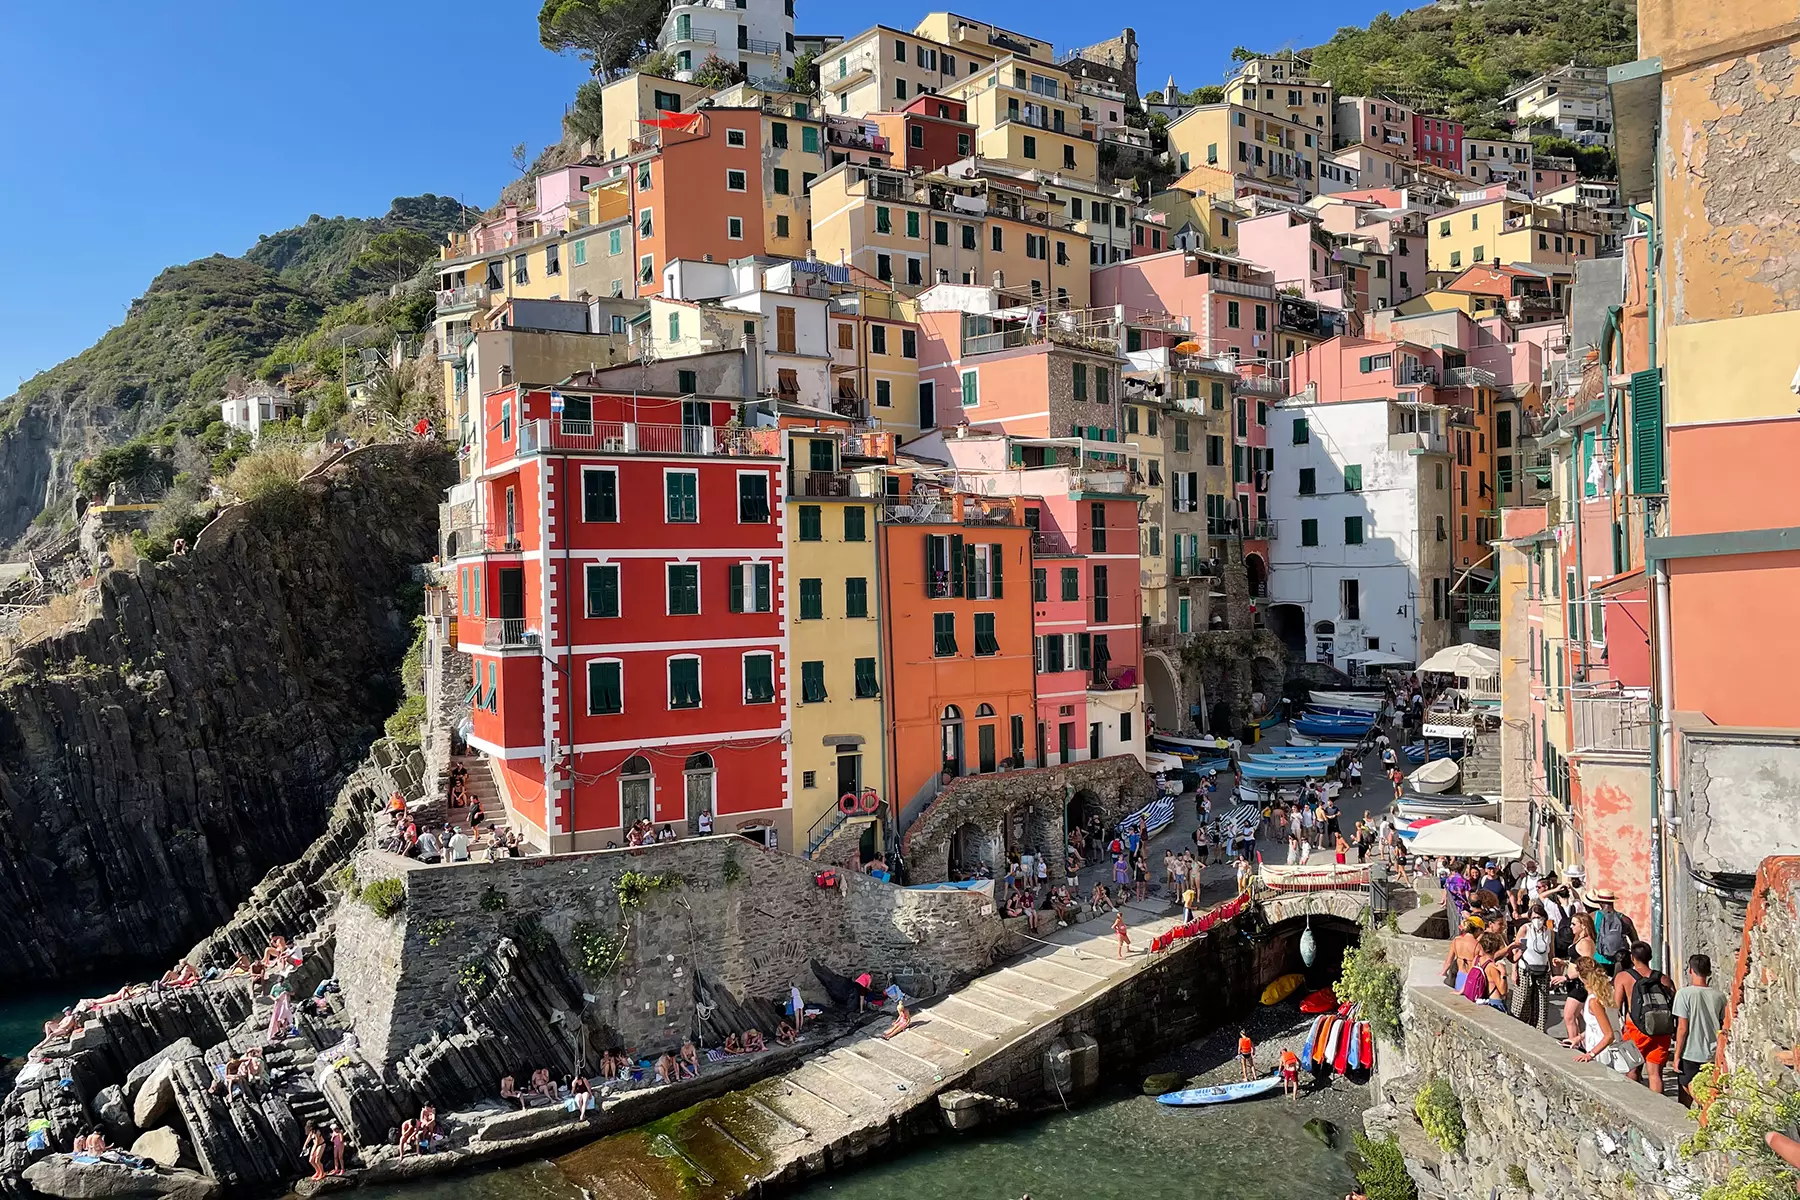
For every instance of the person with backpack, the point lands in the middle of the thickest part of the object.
(1613, 931)
(1647, 1008)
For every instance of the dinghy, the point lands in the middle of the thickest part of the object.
(1435, 777)
(1223, 1094)
(1367, 701)
(1412, 806)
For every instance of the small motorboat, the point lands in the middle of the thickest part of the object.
(1223, 1094)
(1413, 805)
(1437, 776)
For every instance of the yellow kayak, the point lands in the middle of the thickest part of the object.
(1282, 988)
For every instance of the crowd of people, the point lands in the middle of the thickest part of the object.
(1526, 939)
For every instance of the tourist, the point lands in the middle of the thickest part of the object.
(337, 1149)
(1295, 855)
(312, 1149)
(1245, 873)
(667, 1071)
(582, 1094)
(1534, 947)
(1342, 849)
(409, 1137)
(1168, 869)
(1613, 931)
(1646, 1001)
(689, 1065)
(1329, 810)
(459, 846)
(1121, 872)
(666, 834)
(1098, 899)
(1122, 933)
(543, 1085)
(429, 1133)
(1066, 906)
(1190, 903)
(1355, 772)
(733, 1046)
(1141, 874)
(753, 1042)
(784, 1034)
(1246, 1054)
(1464, 949)
(1456, 891)
(181, 975)
(428, 847)
(1307, 821)
(1699, 1009)
(903, 1021)
(510, 1091)
(1290, 1073)
(1598, 1040)
(703, 824)
(281, 1017)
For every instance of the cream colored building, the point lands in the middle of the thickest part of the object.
(1284, 88)
(1264, 155)
(882, 69)
(1027, 116)
(628, 101)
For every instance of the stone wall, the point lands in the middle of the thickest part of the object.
(1024, 809)
(1764, 990)
(1578, 1131)
(157, 761)
(744, 920)
(1739, 801)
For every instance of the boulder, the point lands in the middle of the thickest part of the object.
(134, 1078)
(1164, 1082)
(1324, 1130)
(115, 1115)
(161, 1145)
(155, 1097)
(61, 1177)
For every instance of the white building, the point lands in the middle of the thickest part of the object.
(1571, 101)
(757, 35)
(1361, 491)
(257, 405)
(786, 309)
(1498, 160)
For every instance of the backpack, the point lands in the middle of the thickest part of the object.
(1475, 982)
(1565, 934)
(1652, 1008)
(1609, 937)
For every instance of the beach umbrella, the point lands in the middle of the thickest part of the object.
(1467, 660)
(1466, 837)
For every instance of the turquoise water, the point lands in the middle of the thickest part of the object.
(22, 1017)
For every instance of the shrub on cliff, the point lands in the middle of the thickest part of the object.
(404, 725)
(1381, 1169)
(1734, 1110)
(385, 897)
(268, 478)
(1440, 1112)
(1371, 981)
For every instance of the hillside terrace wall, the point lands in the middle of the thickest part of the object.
(753, 928)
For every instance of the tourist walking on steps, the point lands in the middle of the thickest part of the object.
(1646, 1004)
(1122, 933)
(1613, 931)
(1699, 1009)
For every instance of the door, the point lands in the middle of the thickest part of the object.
(1065, 741)
(849, 775)
(953, 747)
(699, 781)
(512, 518)
(512, 594)
(1182, 617)
(696, 415)
(1094, 740)
(1041, 744)
(784, 331)
(927, 404)
(634, 800)
(984, 741)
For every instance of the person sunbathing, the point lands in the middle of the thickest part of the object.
(63, 1026)
(510, 1091)
(901, 1024)
(409, 1132)
(543, 1085)
(785, 1035)
(182, 975)
(666, 1068)
(732, 1045)
(690, 1061)
(582, 1094)
(241, 965)
(753, 1041)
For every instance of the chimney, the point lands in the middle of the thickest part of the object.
(999, 279)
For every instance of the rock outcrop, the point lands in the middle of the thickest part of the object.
(155, 763)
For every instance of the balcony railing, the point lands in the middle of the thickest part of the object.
(1481, 609)
(1470, 377)
(469, 295)
(1418, 442)
(630, 437)
(1269, 384)
(1103, 679)
(1222, 527)
(1610, 722)
(1051, 545)
(825, 483)
(847, 69)
(1416, 373)
(761, 47)
(705, 37)
(1267, 531)
(1169, 636)
(1196, 568)
(1237, 287)
(507, 633)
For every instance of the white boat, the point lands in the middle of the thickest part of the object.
(1167, 770)
(1206, 747)
(1413, 806)
(1250, 793)
(1366, 701)
(1437, 776)
(1306, 739)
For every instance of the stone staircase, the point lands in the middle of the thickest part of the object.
(843, 1095)
(1481, 767)
(841, 845)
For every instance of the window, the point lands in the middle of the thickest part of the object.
(1308, 481)
(1102, 385)
(1102, 607)
(1232, 317)
(1350, 599)
(687, 382)
(684, 682)
(971, 390)
(811, 525)
(599, 494)
(1215, 451)
(912, 224)
(1080, 375)
(1181, 436)
(855, 523)
(1097, 528)
(778, 133)
(884, 267)
(812, 682)
(1030, 150)
(1262, 317)
(734, 137)
(615, 242)
(1071, 583)
(1309, 531)
(736, 181)
(781, 181)
(552, 261)
(968, 237)
(602, 590)
(1353, 478)
(909, 343)
(812, 600)
(684, 589)
(878, 339)
(986, 644)
(1353, 531)
(781, 225)
(856, 597)
(899, 52)
(943, 634)
(606, 688)
(1068, 154)
(578, 252)
(750, 590)
(1302, 431)
(1456, 258)
(884, 394)
(866, 685)
(899, 89)
(940, 233)
(1040, 584)
(681, 497)
(734, 228)
(759, 679)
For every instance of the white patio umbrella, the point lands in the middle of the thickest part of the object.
(1377, 658)
(1467, 660)
(1464, 837)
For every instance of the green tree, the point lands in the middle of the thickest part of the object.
(396, 255)
(584, 116)
(803, 75)
(609, 34)
(1206, 93)
(1243, 54)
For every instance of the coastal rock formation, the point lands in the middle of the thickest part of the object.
(155, 763)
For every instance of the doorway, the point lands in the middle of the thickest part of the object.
(635, 790)
(1094, 740)
(952, 728)
(1065, 741)
(849, 775)
(512, 594)
(699, 779)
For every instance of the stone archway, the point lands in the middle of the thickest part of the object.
(1288, 623)
(1280, 954)
(1162, 683)
(969, 851)
(1256, 576)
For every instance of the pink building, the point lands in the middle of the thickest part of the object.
(1396, 231)
(1438, 141)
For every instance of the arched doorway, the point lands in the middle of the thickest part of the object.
(951, 725)
(701, 781)
(1325, 643)
(968, 852)
(1256, 575)
(636, 790)
(985, 743)
(1279, 952)
(1084, 812)
(1163, 689)
(1288, 623)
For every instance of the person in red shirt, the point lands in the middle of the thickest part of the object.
(1290, 1073)
(1246, 1055)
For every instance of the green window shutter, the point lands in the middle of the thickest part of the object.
(1307, 481)
(1102, 385)
(1646, 433)
(970, 389)
(1309, 531)
(1353, 531)
(956, 564)
(736, 576)
(866, 685)
(603, 682)
(759, 679)
(994, 575)
(1218, 395)
(855, 523)
(812, 682)
(812, 599)
(1084, 651)
(856, 597)
(1588, 486)
(1302, 431)
(811, 523)
(1080, 370)
(763, 575)
(1353, 478)
(809, 140)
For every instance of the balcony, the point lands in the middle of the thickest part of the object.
(629, 437)
(1266, 383)
(1470, 377)
(850, 139)
(829, 484)
(1236, 287)
(1611, 721)
(507, 633)
(1477, 612)
(1416, 373)
(1167, 636)
(1196, 568)
(847, 71)
(462, 299)
(1264, 531)
(761, 47)
(1116, 679)
(476, 539)
(703, 37)
(1220, 527)
(1427, 441)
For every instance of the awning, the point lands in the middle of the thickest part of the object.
(1377, 658)
(1618, 585)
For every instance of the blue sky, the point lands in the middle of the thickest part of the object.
(140, 135)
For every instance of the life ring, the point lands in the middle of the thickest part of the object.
(869, 802)
(847, 803)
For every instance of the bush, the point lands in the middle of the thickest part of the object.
(472, 978)
(492, 899)
(405, 725)
(634, 887)
(385, 897)
(1371, 981)
(1734, 1109)
(344, 880)
(596, 950)
(1381, 1172)
(1440, 1112)
(268, 478)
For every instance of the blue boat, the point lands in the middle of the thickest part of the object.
(1223, 1094)
(1268, 770)
(1324, 729)
(1326, 752)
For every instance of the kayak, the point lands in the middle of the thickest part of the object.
(1322, 1001)
(1368, 1047)
(1282, 988)
(1223, 1094)
(1341, 1062)
(1312, 1038)
(1320, 1047)
(1356, 1047)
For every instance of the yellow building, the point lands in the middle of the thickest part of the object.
(634, 98)
(1511, 230)
(978, 39)
(1284, 88)
(1027, 116)
(1265, 155)
(1190, 208)
(882, 69)
(834, 641)
(875, 359)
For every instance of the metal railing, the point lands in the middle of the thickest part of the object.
(823, 483)
(1236, 287)
(1050, 544)
(705, 37)
(837, 135)
(631, 437)
(1470, 610)
(1167, 636)
(1610, 722)
(1196, 568)
(469, 295)
(849, 68)
(1265, 530)
(761, 46)
(505, 633)
(1470, 377)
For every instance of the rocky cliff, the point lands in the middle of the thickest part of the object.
(157, 761)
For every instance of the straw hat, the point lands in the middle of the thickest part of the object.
(1595, 897)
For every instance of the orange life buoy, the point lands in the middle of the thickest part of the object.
(871, 802)
(847, 803)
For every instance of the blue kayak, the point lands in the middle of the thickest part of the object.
(1223, 1094)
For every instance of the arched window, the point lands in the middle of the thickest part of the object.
(1324, 627)
(986, 710)
(636, 789)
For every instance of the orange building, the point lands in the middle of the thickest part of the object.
(956, 624)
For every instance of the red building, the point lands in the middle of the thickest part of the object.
(623, 611)
(1438, 141)
(931, 132)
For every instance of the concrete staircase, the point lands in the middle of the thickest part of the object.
(1481, 767)
(848, 1091)
(840, 846)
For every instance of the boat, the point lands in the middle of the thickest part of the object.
(1437, 776)
(1259, 793)
(1167, 769)
(1341, 1061)
(1328, 731)
(1206, 747)
(1322, 1001)
(1223, 1094)
(1371, 702)
(1307, 877)
(1282, 988)
(1338, 742)
(1413, 805)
